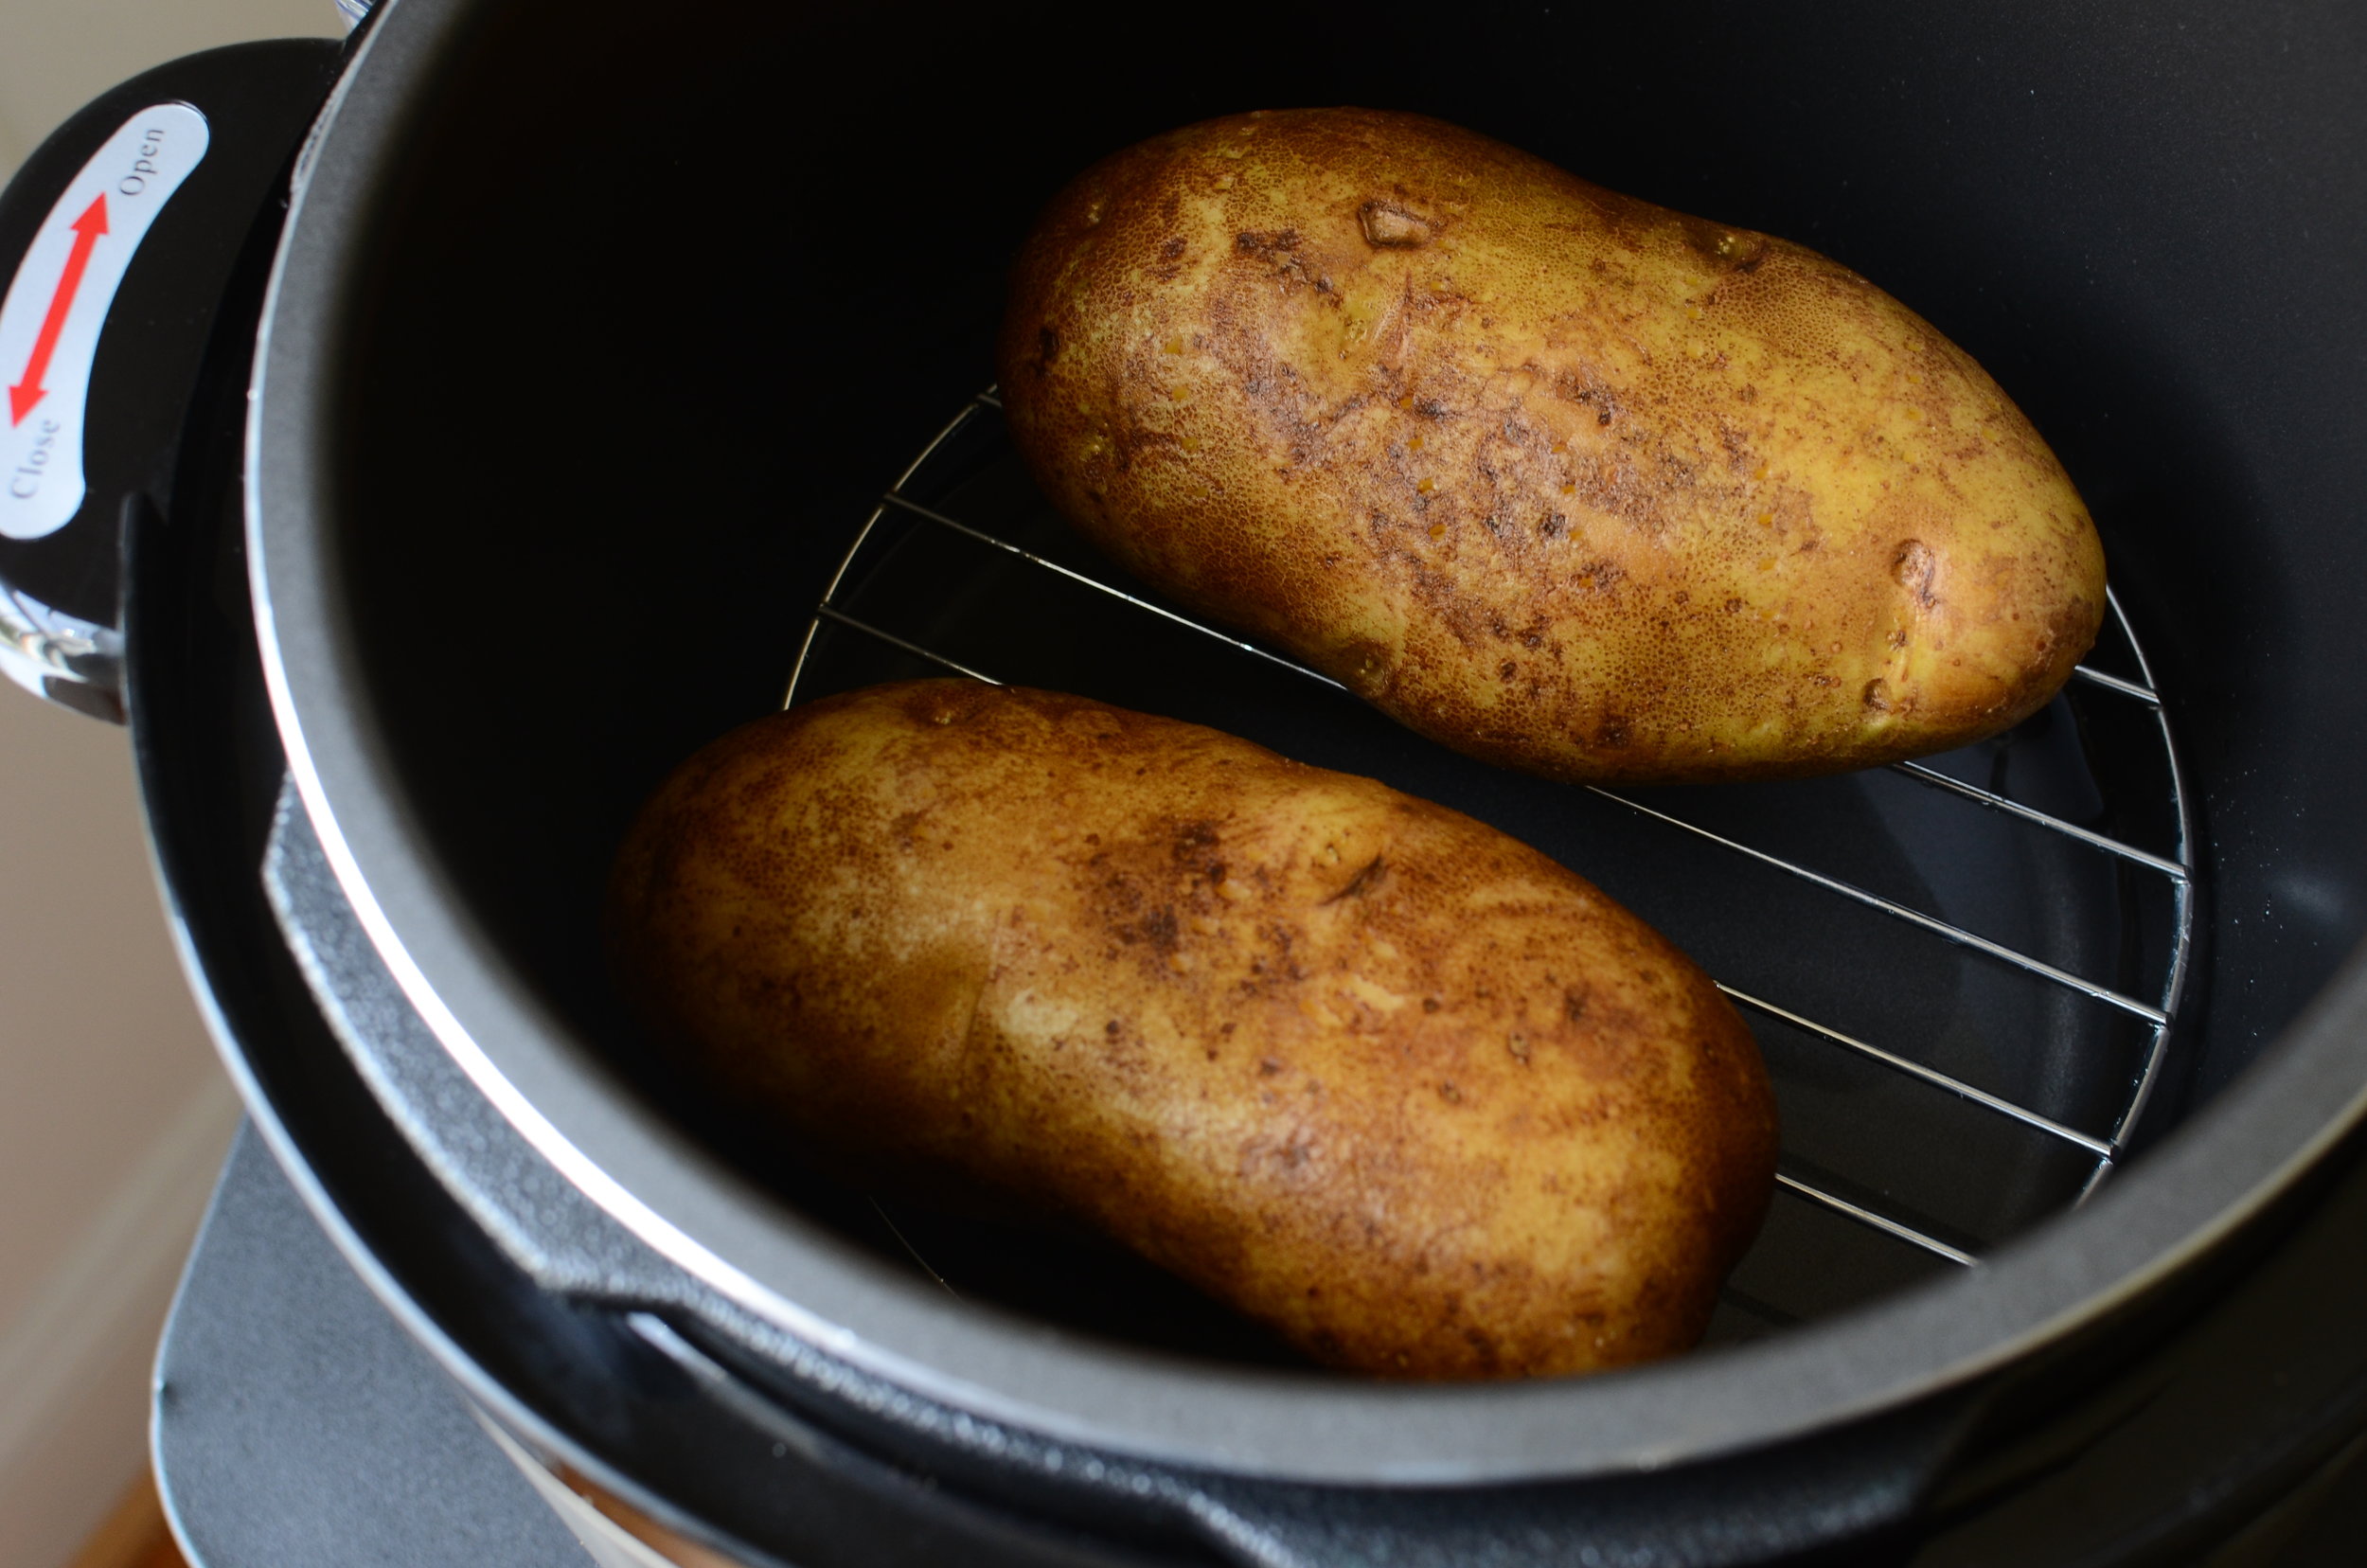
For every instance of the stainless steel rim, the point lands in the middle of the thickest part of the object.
(2193, 1192)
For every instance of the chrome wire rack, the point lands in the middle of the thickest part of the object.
(1985, 914)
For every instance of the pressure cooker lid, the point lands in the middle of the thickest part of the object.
(516, 553)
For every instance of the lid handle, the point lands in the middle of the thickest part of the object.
(118, 241)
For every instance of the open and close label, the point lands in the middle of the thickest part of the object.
(59, 300)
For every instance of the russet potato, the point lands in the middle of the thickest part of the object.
(1404, 1089)
(1564, 480)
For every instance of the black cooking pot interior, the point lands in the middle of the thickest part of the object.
(671, 293)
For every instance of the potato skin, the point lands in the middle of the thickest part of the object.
(1564, 480)
(1364, 1068)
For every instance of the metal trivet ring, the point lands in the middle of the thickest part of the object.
(963, 567)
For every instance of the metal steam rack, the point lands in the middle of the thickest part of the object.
(951, 572)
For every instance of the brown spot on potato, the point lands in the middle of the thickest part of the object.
(1388, 226)
(1914, 566)
(1364, 881)
(1368, 671)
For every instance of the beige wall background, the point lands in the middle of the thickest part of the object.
(55, 55)
(113, 1110)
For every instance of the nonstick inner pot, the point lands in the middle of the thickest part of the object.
(662, 305)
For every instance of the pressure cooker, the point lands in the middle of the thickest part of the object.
(426, 443)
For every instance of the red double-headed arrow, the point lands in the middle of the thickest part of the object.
(28, 390)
